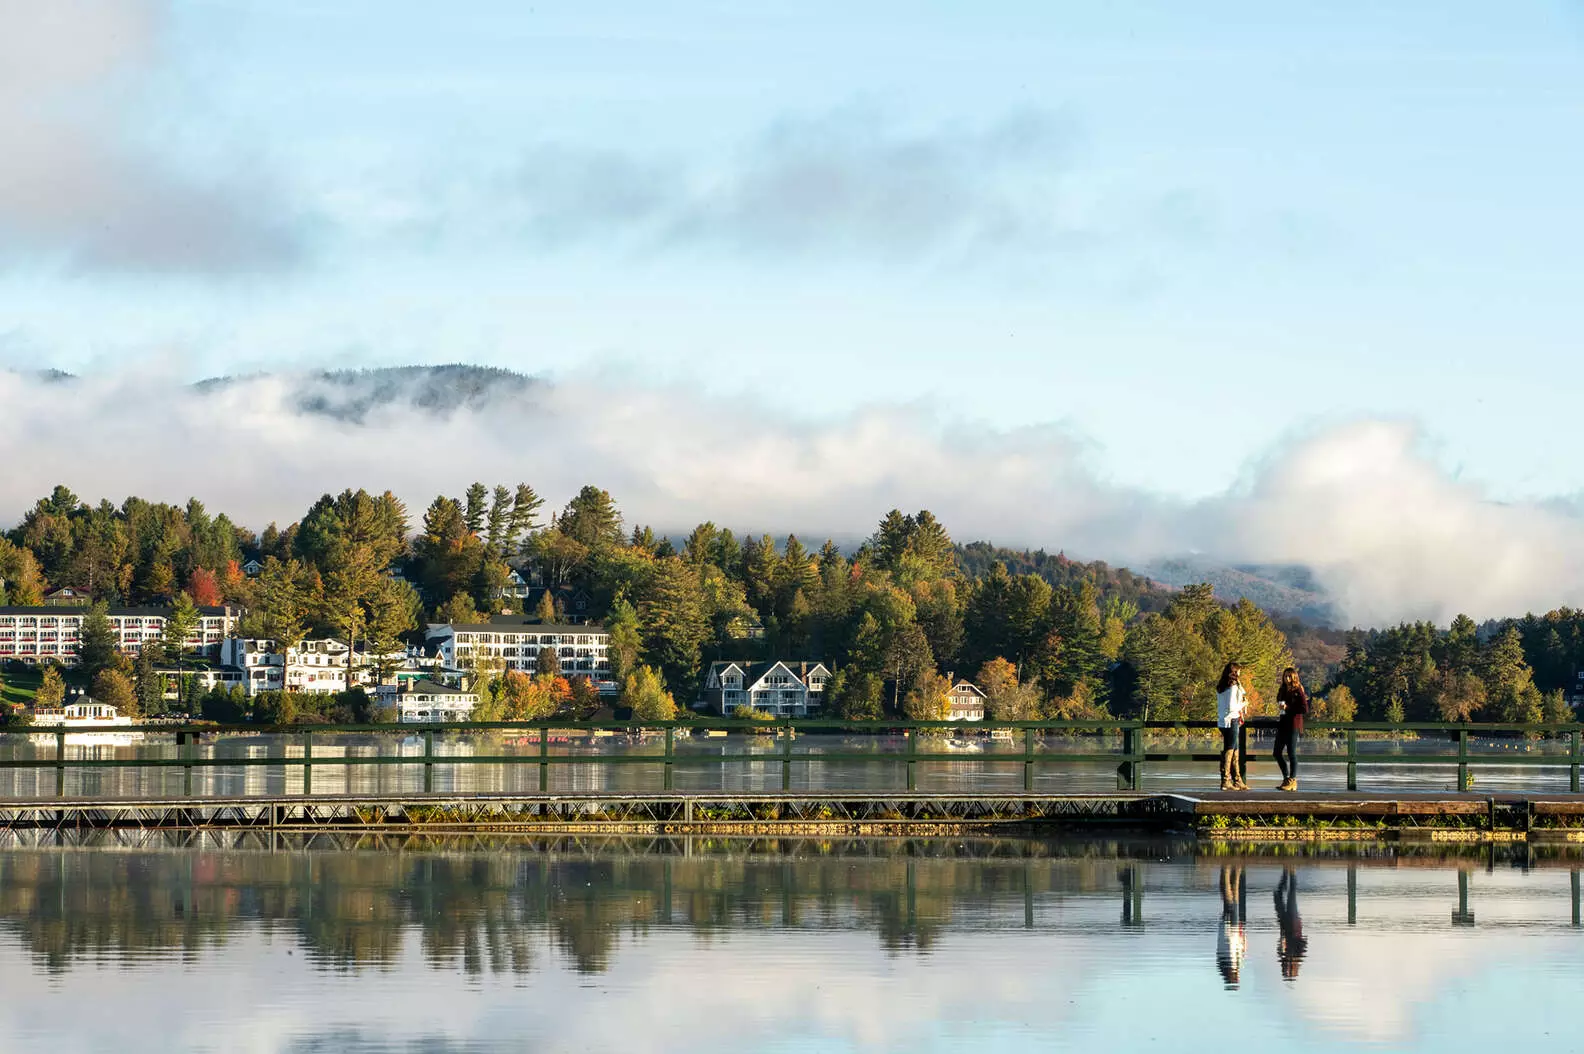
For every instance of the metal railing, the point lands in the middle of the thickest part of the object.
(1131, 759)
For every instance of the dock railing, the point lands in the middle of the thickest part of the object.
(1119, 742)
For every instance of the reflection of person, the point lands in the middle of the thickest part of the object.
(1294, 703)
(1291, 944)
(1232, 942)
(1231, 701)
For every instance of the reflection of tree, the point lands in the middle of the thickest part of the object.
(490, 908)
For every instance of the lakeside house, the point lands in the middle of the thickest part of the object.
(50, 633)
(314, 667)
(426, 700)
(782, 689)
(967, 701)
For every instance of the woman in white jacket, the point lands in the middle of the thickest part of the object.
(1231, 701)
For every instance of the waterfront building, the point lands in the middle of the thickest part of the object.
(314, 667)
(425, 700)
(967, 701)
(513, 642)
(781, 689)
(50, 633)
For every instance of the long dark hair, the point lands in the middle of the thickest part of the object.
(1229, 677)
(1290, 681)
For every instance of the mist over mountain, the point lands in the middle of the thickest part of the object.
(1354, 523)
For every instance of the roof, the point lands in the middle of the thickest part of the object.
(74, 612)
(753, 672)
(428, 687)
(521, 624)
(959, 686)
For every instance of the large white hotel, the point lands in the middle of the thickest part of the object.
(38, 634)
(513, 643)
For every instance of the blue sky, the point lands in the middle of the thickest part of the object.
(1183, 233)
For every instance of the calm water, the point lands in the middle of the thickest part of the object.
(978, 765)
(198, 942)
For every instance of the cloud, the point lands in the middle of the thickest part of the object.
(76, 185)
(1384, 529)
(845, 183)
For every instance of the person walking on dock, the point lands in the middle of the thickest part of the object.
(1231, 701)
(1294, 704)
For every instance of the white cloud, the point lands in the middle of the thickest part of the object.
(76, 186)
(1386, 530)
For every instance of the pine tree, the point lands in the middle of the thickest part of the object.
(497, 523)
(96, 641)
(625, 640)
(671, 613)
(477, 503)
(591, 519)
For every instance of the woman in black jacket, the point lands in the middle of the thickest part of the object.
(1294, 704)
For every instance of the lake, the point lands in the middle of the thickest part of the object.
(164, 941)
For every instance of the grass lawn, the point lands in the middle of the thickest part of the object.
(20, 684)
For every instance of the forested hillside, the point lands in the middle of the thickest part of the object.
(1044, 635)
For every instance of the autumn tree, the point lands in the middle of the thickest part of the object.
(112, 688)
(645, 695)
(51, 690)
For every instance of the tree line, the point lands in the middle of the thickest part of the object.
(896, 617)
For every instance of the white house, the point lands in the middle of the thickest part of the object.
(315, 667)
(87, 712)
(419, 701)
(252, 568)
(513, 642)
(781, 689)
(967, 701)
(50, 634)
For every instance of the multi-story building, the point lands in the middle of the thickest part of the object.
(50, 634)
(781, 689)
(315, 667)
(513, 642)
(426, 700)
(967, 701)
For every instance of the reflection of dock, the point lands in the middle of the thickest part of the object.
(1253, 817)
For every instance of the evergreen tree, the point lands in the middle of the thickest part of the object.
(524, 518)
(625, 640)
(547, 663)
(477, 504)
(149, 684)
(497, 523)
(671, 613)
(97, 641)
(591, 519)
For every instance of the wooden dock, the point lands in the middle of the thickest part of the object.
(1245, 816)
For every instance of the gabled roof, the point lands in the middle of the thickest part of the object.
(967, 687)
(755, 672)
(428, 687)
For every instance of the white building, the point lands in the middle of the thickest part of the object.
(781, 689)
(40, 634)
(419, 701)
(87, 712)
(967, 701)
(512, 643)
(314, 667)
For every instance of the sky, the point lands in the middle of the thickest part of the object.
(1185, 239)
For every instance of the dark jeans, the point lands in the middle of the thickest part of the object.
(1229, 736)
(1288, 730)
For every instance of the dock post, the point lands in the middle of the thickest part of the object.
(1463, 916)
(184, 743)
(1574, 877)
(1352, 759)
(786, 757)
(307, 745)
(544, 760)
(60, 762)
(1028, 759)
(912, 765)
(1573, 769)
(670, 757)
(428, 769)
(1352, 887)
(1243, 749)
(1463, 783)
(1127, 772)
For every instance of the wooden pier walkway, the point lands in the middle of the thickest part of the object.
(1442, 816)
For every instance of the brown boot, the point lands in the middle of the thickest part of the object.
(1237, 773)
(1227, 782)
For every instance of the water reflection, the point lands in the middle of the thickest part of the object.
(362, 942)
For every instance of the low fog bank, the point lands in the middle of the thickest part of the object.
(1386, 533)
